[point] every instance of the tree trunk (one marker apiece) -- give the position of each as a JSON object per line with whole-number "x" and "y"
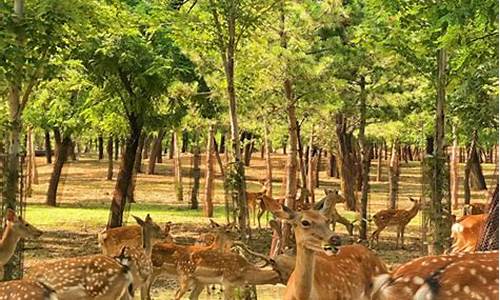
{"x": 318, "y": 168}
{"x": 248, "y": 149}
{"x": 155, "y": 151}
{"x": 302, "y": 165}
{"x": 219, "y": 160}
{"x": 29, "y": 163}
{"x": 179, "y": 193}
{"x": 365, "y": 161}
{"x": 171, "y": 147}
{"x": 61, "y": 157}
{"x": 454, "y": 170}
{"x": 269, "y": 162}
{"x": 124, "y": 177}
{"x": 72, "y": 151}
{"x": 385, "y": 151}
{"x": 222, "y": 145}
{"x": 332, "y": 164}
{"x": 439, "y": 216}
{"x": 208, "y": 208}
{"x": 117, "y": 148}
{"x": 48, "y": 148}
{"x": 379, "y": 164}
{"x": 345, "y": 161}
{"x": 147, "y": 147}
{"x": 394, "y": 175}
{"x": 262, "y": 151}
{"x": 138, "y": 154}
{"x": 100, "y": 143}
{"x": 311, "y": 172}
{"x": 185, "y": 141}
{"x": 478, "y": 182}
{"x": 109, "y": 149}
{"x": 195, "y": 191}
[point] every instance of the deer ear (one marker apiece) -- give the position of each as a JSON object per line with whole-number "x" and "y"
{"x": 213, "y": 224}
{"x": 326, "y": 192}
{"x": 11, "y": 215}
{"x": 285, "y": 213}
{"x": 139, "y": 220}
{"x": 148, "y": 218}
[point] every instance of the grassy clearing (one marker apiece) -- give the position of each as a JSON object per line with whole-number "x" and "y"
{"x": 84, "y": 199}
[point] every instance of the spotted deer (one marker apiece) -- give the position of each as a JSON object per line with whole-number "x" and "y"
{"x": 333, "y": 215}
{"x": 253, "y": 198}
{"x": 93, "y": 277}
{"x": 139, "y": 249}
{"x": 465, "y": 233}
{"x": 323, "y": 270}
{"x": 168, "y": 256}
{"x": 395, "y": 217}
{"x": 475, "y": 208}
{"x": 26, "y": 289}
{"x": 16, "y": 228}
{"x": 444, "y": 277}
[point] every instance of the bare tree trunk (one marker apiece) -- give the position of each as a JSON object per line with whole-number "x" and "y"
{"x": 171, "y": 150}
{"x": 208, "y": 208}
{"x": 196, "y": 172}
{"x": 138, "y": 154}
{"x": 477, "y": 178}
{"x": 110, "y": 158}
{"x": 365, "y": 161}
{"x": 311, "y": 174}
{"x": 394, "y": 175}
{"x": 61, "y": 157}
{"x": 185, "y": 141}
{"x": 117, "y": 148}
{"x": 124, "y": 177}
{"x": 454, "y": 169}
{"x": 317, "y": 168}
{"x": 302, "y": 164}
{"x": 100, "y": 146}
{"x": 269, "y": 162}
{"x": 29, "y": 163}
{"x": 178, "y": 168}
{"x": 345, "y": 161}
{"x": 219, "y": 160}
{"x": 379, "y": 164}
{"x": 147, "y": 147}
{"x": 48, "y": 148}
{"x": 155, "y": 151}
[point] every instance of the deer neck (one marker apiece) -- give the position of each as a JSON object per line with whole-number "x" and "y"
{"x": 304, "y": 272}
{"x": 414, "y": 209}
{"x": 147, "y": 244}
{"x": 8, "y": 244}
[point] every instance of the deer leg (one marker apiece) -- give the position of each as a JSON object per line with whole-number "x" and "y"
{"x": 398, "y": 234}
{"x": 183, "y": 287}
{"x": 228, "y": 291}
{"x": 145, "y": 288}
{"x": 402, "y": 237}
{"x": 259, "y": 215}
{"x": 198, "y": 288}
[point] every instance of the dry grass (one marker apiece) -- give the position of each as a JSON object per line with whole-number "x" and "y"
{"x": 84, "y": 197}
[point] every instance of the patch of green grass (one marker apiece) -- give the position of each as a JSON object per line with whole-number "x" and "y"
{"x": 95, "y": 215}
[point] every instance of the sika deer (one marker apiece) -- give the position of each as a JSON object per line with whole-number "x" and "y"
{"x": 465, "y": 233}
{"x": 15, "y": 229}
{"x": 395, "y": 217}
{"x": 142, "y": 266}
{"x": 333, "y": 214}
{"x": 253, "y": 200}
{"x": 322, "y": 271}
{"x": 445, "y": 277}
{"x": 94, "y": 277}
{"x": 26, "y": 289}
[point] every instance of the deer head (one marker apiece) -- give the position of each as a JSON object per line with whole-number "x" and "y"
{"x": 151, "y": 231}
{"x": 19, "y": 226}
{"x": 311, "y": 228}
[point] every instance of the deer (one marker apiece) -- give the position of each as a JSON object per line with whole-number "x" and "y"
{"x": 166, "y": 256}
{"x": 465, "y": 233}
{"x": 475, "y": 208}
{"x": 93, "y": 277}
{"x": 324, "y": 270}
{"x": 444, "y": 277}
{"x": 142, "y": 266}
{"x": 395, "y": 217}
{"x": 26, "y": 289}
{"x": 253, "y": 199}
{"x": 16, "y": 228}
{"x": 333, "y": 214}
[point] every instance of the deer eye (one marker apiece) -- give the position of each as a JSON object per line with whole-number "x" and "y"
{"x": 305, "y": 223}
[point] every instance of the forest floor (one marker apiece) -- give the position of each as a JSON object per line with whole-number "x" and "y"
{"x": 84, "y": 197}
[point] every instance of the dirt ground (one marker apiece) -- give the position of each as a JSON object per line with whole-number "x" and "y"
{"x": 84, "y": 196}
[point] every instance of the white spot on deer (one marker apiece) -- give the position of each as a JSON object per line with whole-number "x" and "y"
{"x": 472, "y": 271}
{"x": 466, "y": 289}
{"x": 456, "y": 288}
{"x": 418, "y": 280}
